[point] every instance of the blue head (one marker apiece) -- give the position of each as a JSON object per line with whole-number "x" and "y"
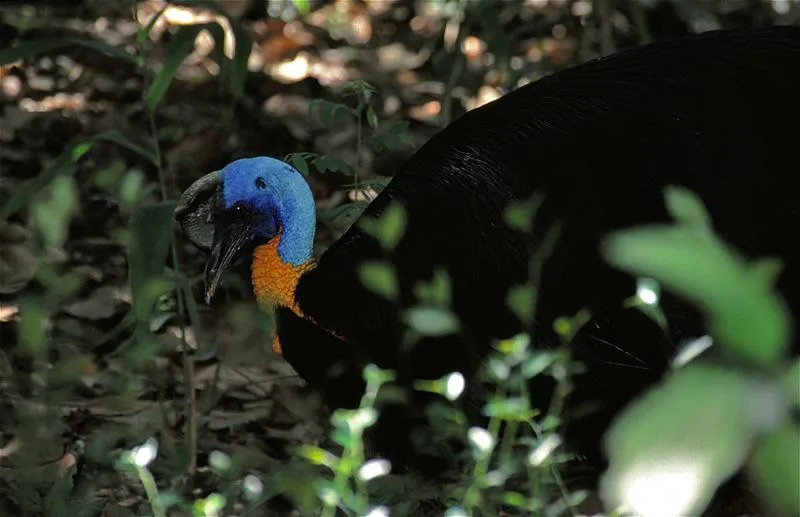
{"x": 249, "y": 202}
{"x": 279, "y": 200}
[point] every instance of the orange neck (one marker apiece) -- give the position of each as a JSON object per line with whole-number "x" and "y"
{"x": 275, "y": 281}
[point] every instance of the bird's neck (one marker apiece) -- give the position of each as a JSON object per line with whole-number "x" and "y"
{"x": 274, "y": 277}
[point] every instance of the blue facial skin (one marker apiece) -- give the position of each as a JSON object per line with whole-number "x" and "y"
{"x": 281, "y": 198}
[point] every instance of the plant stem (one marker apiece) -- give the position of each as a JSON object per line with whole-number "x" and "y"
{"x": 151, "y": 490}
{"x": 186, "y": 356}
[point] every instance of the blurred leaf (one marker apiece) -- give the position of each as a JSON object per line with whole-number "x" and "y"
{"x": 144, "y": 31}
{"x": 380, "y": 278}
{"x": 151, "y": 236}
{"x": 131, "y": 189}
{"x": 54, "y": 211}
{"x": 118, "y": 138}
{"x": 567, "y": 326}
{"x": 513, "y": 409}
{"x": 388, "y": 228}
{"x": 396, "y": 136}
{"x": 745, "y": 315}
{"x": 775, "y": 468}
{"x": 372, "y": 118}
{"x": 180, "y": 46}
{"x": 521, "y": 300}
{"x": 437, "y": 291}
{"x": 302, "y": 6}
{"x": 298, "y": 161}
{"x": 791, "y": 383}
{"x": 19, "y": 257}
{"x": 327, "y": 113}
{"x": 242, "y": 49}
{"x": 33, "y": 327}
{"x": 325, "y": 163}
{"x": 431, "y": 321}
{"x": 32, "y": 48}
{"x": 61, "y": 165}
{"x": 686, "y": 207}
{"x": 653, "y": 467}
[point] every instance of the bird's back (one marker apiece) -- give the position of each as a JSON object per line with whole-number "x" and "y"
{"x": 717, "y": 113}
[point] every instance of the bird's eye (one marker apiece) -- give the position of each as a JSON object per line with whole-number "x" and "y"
{"x": 238, "y": 209}
{"x": 261, "y": 184}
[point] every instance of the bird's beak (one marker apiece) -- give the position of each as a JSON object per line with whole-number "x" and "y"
{"x": 228, "y": 242}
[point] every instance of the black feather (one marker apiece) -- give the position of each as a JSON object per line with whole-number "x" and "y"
{"x": 717, "y": 113}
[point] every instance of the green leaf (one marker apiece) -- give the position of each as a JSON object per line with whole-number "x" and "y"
{"x": 437, "y": 291}
{"x": 514, "y": 409}
{"x": 745, "y": 315}
{"x": 180, "y": 46}
{"x": 326, "y": 163}
{"x": 328, "y": 114}
{"x": 302, "y": 6}
{"x": 144, "y": 32}
{"x": 431, "y": 321}
{"x": 775, "y": 468}
{"x": 394, "y": 137}
{"x": 151, "y": 237}
{"x": 62, "y": 165}
{"x": 242, "y": 49}
{"x": 53, "y": 212}
{"x": 32, "y": 48}
{"x": 387, "y": 228}
{"x": 118, "y": 138}
{"x": 380, "y": 278}
{"x": 791, "y": 383}
{"x": 521, "y": 300}
{"x": 298, "y": 161}
{"x": 686, "y": 208}
{"x": 672, "y": 448}
{"x": 372, "y": 118}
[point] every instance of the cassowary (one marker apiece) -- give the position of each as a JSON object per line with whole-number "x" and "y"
{"x": 716, "y": 113}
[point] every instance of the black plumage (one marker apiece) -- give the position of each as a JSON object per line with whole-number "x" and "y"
{"x": 716, "y": 113}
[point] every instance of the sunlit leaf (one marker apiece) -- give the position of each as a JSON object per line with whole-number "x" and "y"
{"x": 745, "y": 315}
{"x": 653, "y": 467}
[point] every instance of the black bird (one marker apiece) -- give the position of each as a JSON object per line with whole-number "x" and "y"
{"x": 717, "y": 113}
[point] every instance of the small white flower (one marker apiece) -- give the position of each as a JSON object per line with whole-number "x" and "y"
{"x": 544, "y": 450}
{"x": 252, "y": 486}
{"x": 144, "y": 454}
{"x": 480, "y": 439}
{"x": 373, "y": 469}
{"x": 455, "y": 512}
{"x": 378, "y": 511}
{"x": 454, "y": 386}
{"x": 646, "y": 292}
